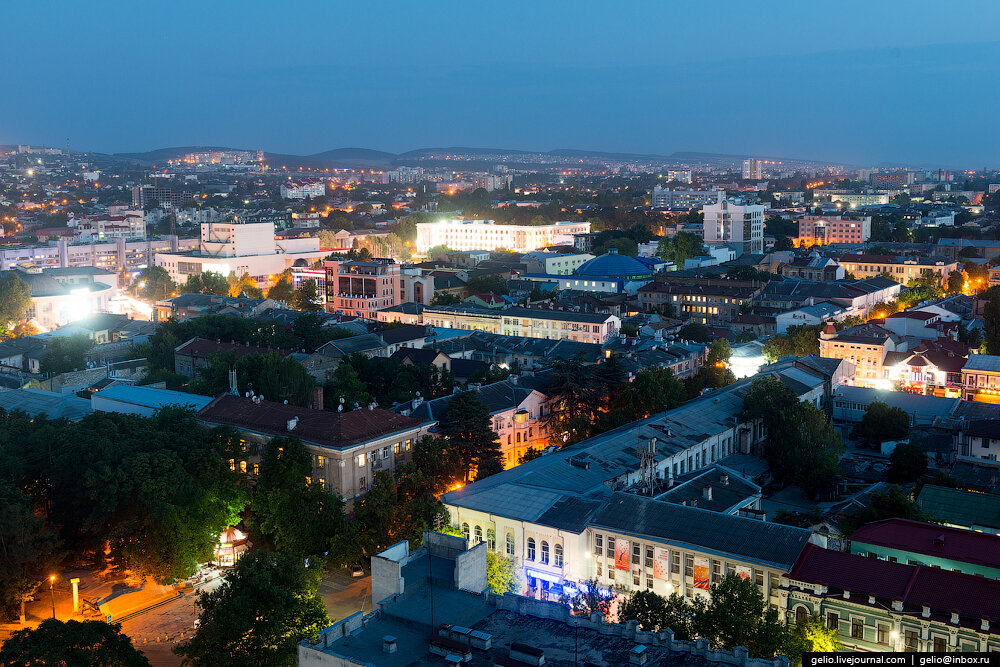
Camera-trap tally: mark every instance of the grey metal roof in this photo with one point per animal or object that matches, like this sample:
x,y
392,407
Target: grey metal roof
x,y
745,539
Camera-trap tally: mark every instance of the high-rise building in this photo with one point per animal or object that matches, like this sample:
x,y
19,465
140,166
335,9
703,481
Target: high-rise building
x,y
752,169
734,223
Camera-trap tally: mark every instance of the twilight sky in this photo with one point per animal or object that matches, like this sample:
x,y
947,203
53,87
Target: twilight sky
x,y
864,82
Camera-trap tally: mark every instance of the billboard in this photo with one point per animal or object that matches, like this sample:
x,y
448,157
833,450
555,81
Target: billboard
x,y
743,571
701,573
621,554
661,563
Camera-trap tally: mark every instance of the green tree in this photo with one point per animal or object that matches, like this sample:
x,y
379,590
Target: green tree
x,y
468,426
683,245
156,284
15,299
738,615
266,604
71,643
501,573
811,635
882,423
907,463
294,514
307,297
66,354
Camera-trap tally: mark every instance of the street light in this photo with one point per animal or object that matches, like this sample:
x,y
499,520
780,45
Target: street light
x,y
52,581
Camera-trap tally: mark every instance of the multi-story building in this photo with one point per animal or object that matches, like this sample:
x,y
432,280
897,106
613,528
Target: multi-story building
x,y
361,288
878,605
737,224
715,302
981,378
668,198
900,269
302,188
753,169
347,448
487,235
865,346
824,230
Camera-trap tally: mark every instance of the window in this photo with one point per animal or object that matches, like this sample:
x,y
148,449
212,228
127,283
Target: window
x,y
610,551
598,544
491,539
801,615
858,629
479,534
510,544
940,645
545,553
636,552
882,634
833,620
558,552
531,548
465,530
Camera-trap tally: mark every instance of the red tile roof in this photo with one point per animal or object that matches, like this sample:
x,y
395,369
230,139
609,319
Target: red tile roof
x,y
944,591
932,539
322,427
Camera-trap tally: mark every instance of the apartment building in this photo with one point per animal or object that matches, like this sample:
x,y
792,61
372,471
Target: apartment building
x,y
824,230
361,288
900,269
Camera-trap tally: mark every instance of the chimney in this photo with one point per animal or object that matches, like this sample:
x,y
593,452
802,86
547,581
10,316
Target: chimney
x,y
706,491
292,423
318,397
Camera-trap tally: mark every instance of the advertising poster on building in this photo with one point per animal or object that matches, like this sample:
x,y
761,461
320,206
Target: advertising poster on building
x,y
621,554
661,563
701,573
743,571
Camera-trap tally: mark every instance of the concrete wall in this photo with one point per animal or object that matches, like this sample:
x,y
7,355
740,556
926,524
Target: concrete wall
x,y
387,566
470,569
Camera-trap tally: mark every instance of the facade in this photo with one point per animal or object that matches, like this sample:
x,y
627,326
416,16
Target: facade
x,y
878,605
865,346
668,198
824,230
487,235
734,223
362,288
347,448
981,378
900,269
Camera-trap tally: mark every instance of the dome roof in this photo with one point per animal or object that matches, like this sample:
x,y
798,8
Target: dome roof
x,y
613,265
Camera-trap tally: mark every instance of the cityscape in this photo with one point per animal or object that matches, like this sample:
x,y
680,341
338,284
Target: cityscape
x,y
708,387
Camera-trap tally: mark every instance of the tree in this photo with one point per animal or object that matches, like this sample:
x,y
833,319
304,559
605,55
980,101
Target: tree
x,y
266,604
682,246
15,299
468,426
66,354
738,615
501,573
907,463
882,423
156,284
56,642
811,635
307,297
294,514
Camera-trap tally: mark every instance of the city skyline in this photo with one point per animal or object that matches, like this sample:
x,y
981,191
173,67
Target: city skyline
x,y
903,89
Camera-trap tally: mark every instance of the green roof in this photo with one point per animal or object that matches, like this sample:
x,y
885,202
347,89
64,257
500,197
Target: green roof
x,y
962,508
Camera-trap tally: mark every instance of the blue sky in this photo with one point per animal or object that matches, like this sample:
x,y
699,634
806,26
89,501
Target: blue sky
x,y
863,82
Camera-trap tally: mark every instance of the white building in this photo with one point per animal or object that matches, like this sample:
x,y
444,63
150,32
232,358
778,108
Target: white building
x,y
487,235
753,169
240,248
733,222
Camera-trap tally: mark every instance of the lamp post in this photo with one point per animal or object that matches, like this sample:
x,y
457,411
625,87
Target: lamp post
x,y
52,595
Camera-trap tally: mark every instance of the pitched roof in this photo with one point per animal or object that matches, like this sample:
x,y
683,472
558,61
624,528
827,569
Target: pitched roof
x,y
750,539
931,539
322,427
